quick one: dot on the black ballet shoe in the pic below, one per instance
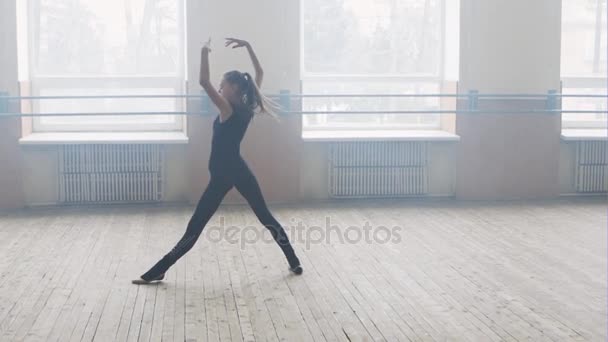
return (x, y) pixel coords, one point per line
(142, 281)
(297, 270)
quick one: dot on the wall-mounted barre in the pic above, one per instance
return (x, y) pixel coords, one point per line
(198, 96)
(284, 98)
(402, 112)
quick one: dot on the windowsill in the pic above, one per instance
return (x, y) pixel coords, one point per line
(66, 138)
(597, 134)
(378, 135)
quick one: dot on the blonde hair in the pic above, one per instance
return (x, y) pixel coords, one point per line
(252, 97)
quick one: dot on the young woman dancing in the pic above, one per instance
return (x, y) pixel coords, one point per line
(238, 100)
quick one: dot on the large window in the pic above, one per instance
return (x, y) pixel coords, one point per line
(103, 47)
(373, 47)
(584, 46)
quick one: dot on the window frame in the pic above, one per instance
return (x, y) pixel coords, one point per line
(40, 81)
(589, 81)
(438, 79)
(584, 83)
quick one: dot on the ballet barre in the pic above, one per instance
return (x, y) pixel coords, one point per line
(285, 98)
(200, 96)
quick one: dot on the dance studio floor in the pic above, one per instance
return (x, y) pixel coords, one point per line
(455, 271)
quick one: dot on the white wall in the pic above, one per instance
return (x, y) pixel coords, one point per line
(510, 46)
(11, 194)
(272, 26)
(8, 42)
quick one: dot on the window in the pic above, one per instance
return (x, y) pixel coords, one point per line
(584, 46)
(374, 47)
(103, 47)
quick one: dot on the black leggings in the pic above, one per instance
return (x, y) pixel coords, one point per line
(220, 183)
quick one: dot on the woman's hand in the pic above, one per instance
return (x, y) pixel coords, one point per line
(204, 72)
(207, 46)
(237, 43)
(220, 102)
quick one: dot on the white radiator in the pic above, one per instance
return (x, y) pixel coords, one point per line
(377, 169)
(110, 173)
(591, 174)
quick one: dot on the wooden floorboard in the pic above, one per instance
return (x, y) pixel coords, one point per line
(454, 271)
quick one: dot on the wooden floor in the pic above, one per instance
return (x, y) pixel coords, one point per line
(463, 271)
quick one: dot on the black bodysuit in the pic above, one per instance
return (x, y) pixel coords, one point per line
(226, 143)
(228, 169)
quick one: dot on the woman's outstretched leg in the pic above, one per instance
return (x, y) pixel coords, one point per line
(206, 207)
(248, 186)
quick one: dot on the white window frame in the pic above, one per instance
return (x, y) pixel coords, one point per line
(584, 83)
(370, 79)
(41, 81)
(588, 82)
(404, 78)
(176, 123)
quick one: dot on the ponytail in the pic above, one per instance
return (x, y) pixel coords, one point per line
(252, 98)
(255, 100)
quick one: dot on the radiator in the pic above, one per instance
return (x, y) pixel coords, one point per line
(377, 169)
(591, 171)
(110, 173)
